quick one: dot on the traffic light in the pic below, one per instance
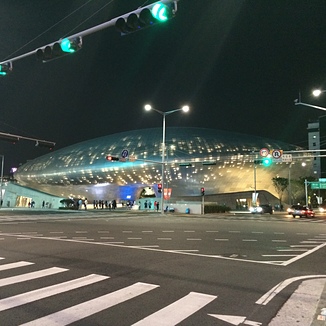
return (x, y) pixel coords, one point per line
(157, 13)
(267, 161)
(159, 187)
(59, 49)
(112, 158)
(5, 68)
(47, 144)
(202, 190)
(185, 164)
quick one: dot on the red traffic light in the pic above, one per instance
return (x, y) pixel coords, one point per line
(202, 190)
(112, 158)
(159, 187)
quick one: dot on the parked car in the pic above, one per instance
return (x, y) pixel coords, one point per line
(301, 210)
(261, 209)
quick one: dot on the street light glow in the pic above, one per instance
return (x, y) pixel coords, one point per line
(316, 92)
(185, 108)
(148, 107)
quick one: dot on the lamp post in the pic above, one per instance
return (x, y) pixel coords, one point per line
(164, 114)
(316, 93)
(1, 182)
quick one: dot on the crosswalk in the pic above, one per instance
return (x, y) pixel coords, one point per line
(171, 314)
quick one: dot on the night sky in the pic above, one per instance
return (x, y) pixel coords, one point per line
(239, 65)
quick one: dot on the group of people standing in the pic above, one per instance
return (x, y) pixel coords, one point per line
(101, 204)
(148, 205)
(97, 204)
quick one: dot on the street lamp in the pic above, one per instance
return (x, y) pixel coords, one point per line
(148, 107)
(317, 92)
(1, 182)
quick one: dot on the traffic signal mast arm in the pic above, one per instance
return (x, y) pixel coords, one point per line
(97, 28)
(38, 142)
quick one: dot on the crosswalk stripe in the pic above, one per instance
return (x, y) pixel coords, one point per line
(31, 276)
(14, 265)
(178, 310)
(85, 309)
(48, 291)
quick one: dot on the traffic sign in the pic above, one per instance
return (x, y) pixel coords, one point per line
(124, 153)
(286, 158)
(318, 185)
(264, 152)
(277, 153)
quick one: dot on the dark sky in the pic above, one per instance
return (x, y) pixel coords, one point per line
(239, 65)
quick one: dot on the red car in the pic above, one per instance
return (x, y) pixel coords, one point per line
(299, 210)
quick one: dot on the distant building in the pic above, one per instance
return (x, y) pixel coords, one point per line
(220, 161)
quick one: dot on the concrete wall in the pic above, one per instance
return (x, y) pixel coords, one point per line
(14, 195)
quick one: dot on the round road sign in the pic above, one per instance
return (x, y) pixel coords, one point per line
(264, 152)
(124, 153)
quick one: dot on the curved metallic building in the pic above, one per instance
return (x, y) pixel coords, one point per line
(220, 161)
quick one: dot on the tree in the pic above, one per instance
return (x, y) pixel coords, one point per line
(280, 184)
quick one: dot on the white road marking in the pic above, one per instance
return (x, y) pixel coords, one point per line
(311, 242)
(178, 310)
(48, 291)
(15, 265)
(304, 254)
(88, 308)
(126, 231)
(306, 245)
(168, 231)
(279, 241)
(134, 238)
(147, 231)
(164, 238)
(221, 239)
(193, 239)
(268, 296)
(31, 276)
(212, 231)
(293, 249)
(234, 231)
(250, 240)
(279, 255)
(189, 231)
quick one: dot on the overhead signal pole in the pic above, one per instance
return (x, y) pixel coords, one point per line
(157, 12)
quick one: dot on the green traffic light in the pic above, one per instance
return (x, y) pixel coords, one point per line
(160, 12)
(65, 45)
(267, 161)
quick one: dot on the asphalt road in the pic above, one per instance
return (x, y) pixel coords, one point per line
(104, 268)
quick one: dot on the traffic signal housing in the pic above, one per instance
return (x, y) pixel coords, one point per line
(159, 187)
(59, 49)
(46, 144)
(112, 158)
(202, 190)
(267, 161)
(5, 68)
(157, 13)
